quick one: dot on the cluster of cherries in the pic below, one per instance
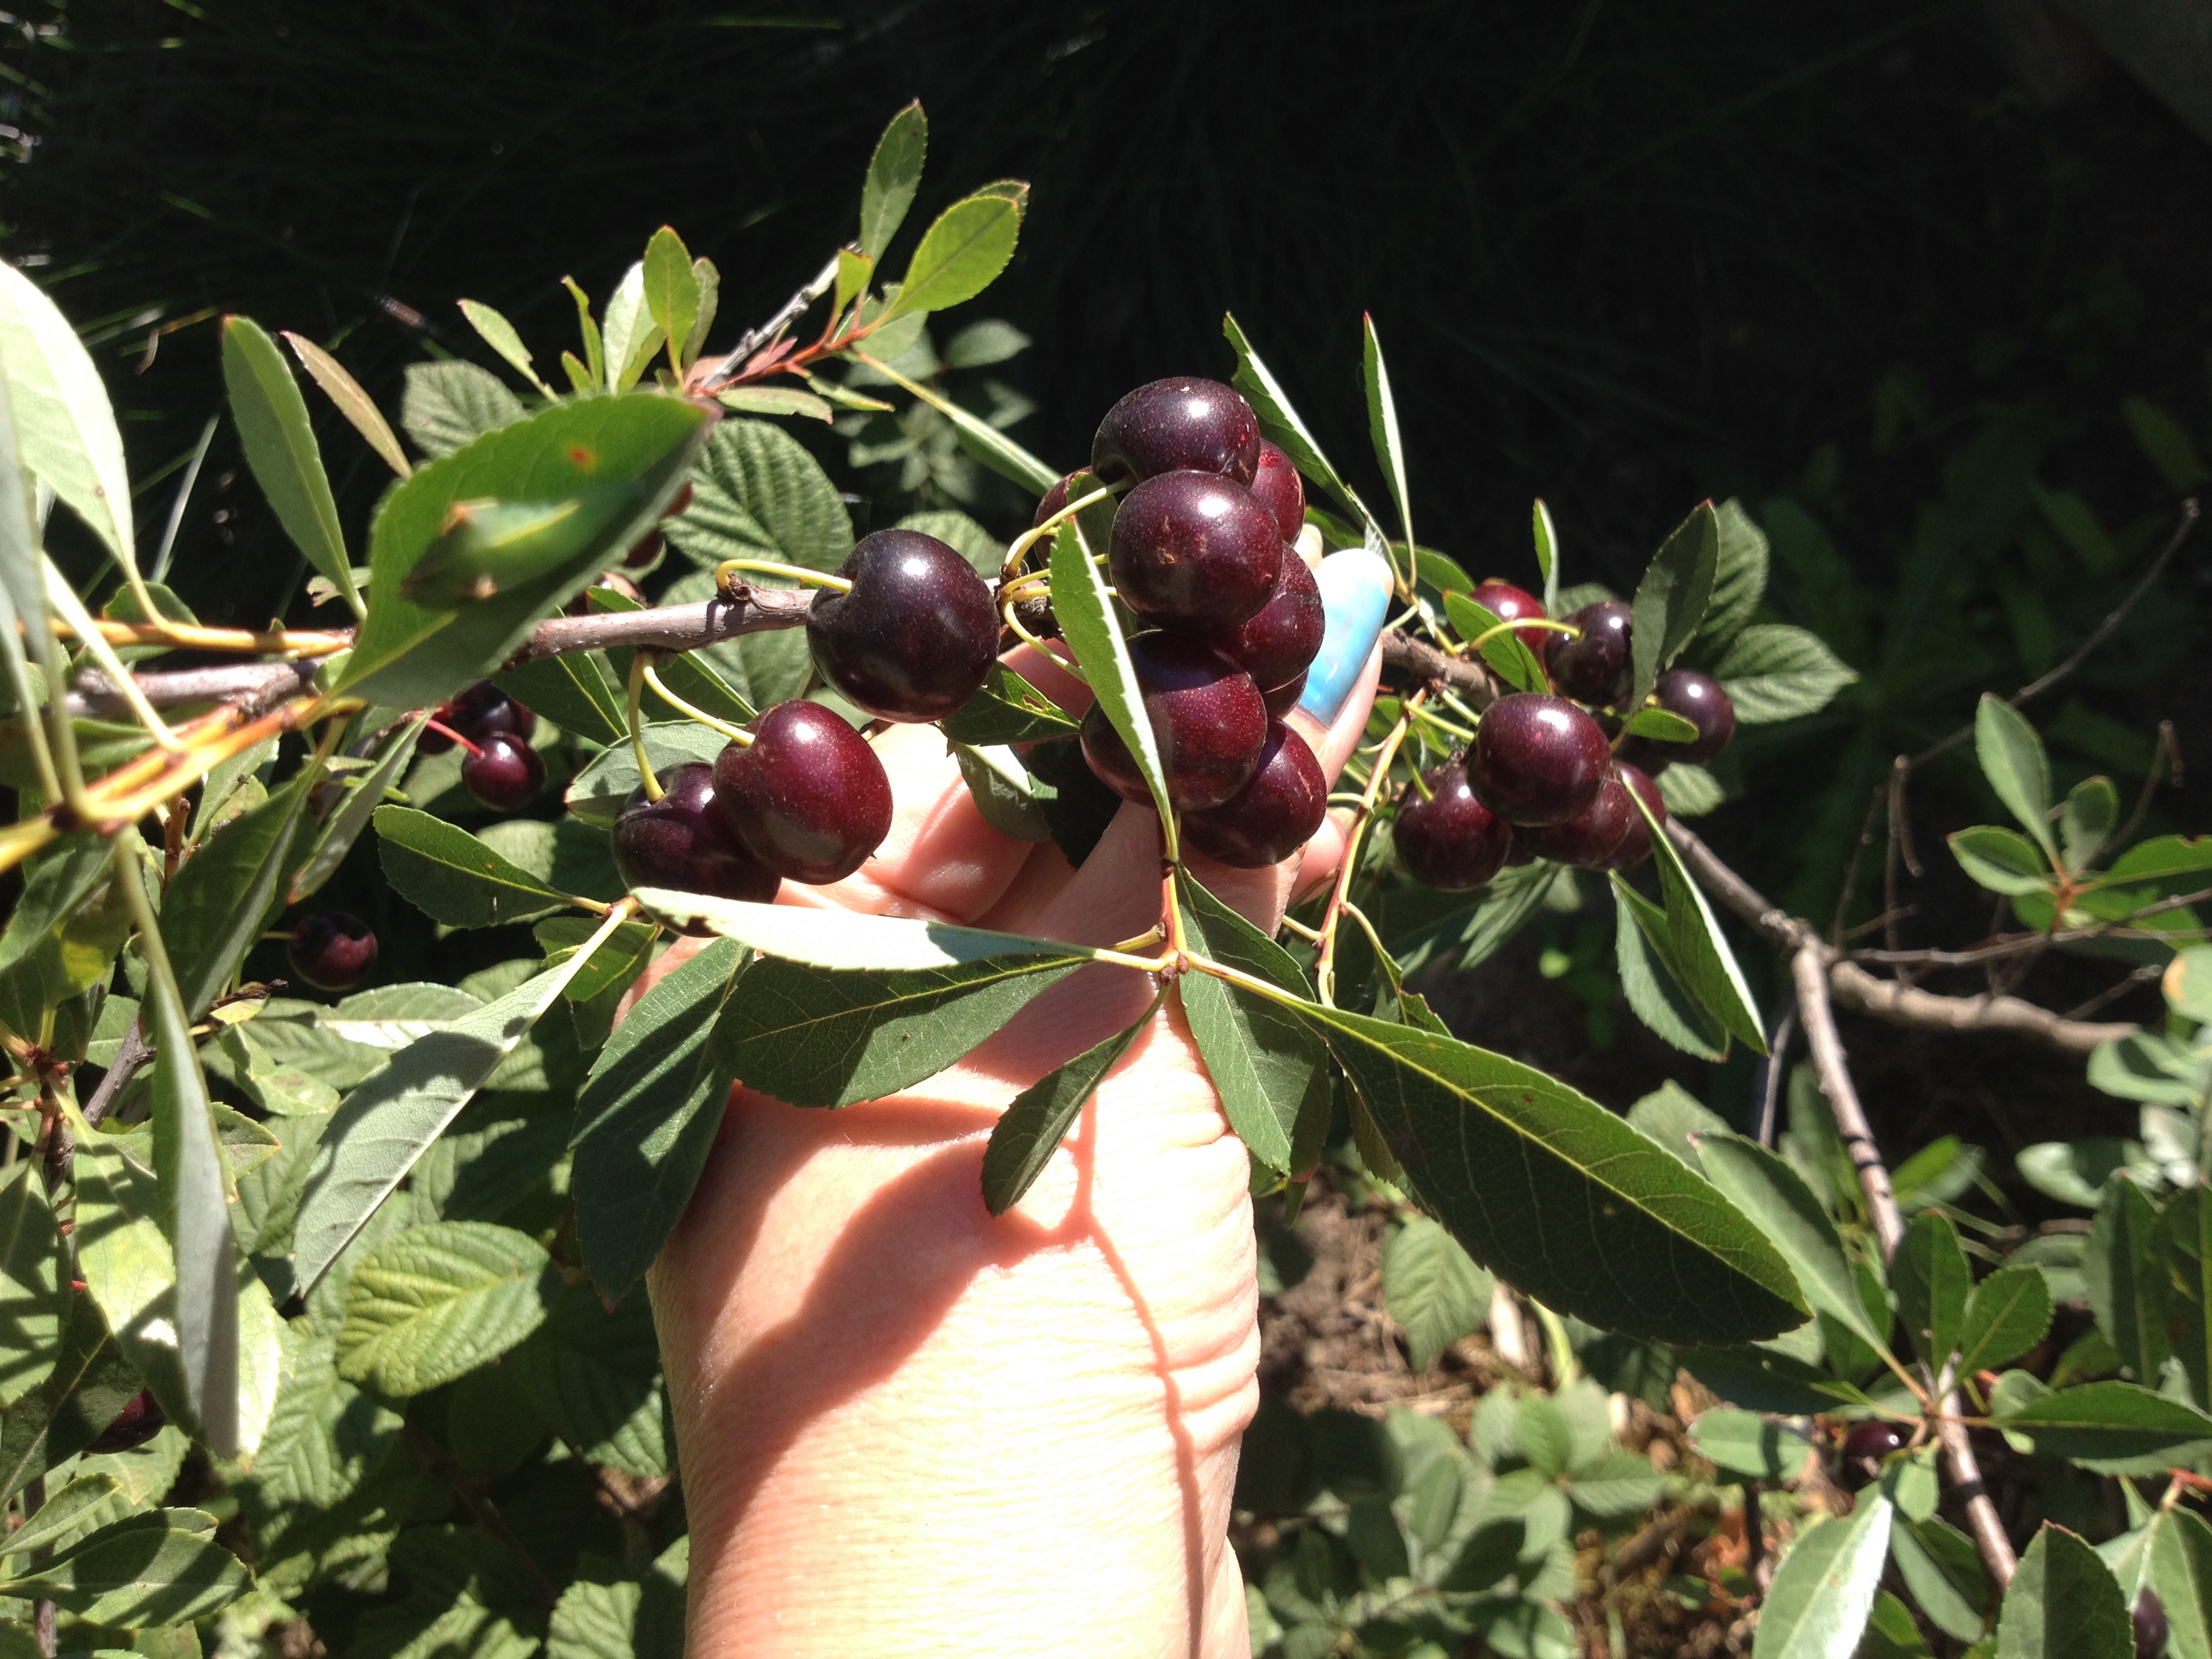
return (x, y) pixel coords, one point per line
(1200, 553)
(501, 769)
(1543, 778)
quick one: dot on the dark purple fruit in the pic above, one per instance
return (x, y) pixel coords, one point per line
(1052, 500)
(1206, 717)
(1449, 839)
(1193, 551)
(1274, 815)
(684, 841)
(1537, 759)
(809, 799)
(1277, 487)
(917, 634)
(134, 1425)
(1636, 845)
(1510, 604)
(2150, 1624)
(333, 951)
(1595, 667)
(1274, 643)
(483, 709)
(1590, 838)
(1865, 1448)
(1183, 424)
(504, 773)
(1699, 699)
(1285, 697)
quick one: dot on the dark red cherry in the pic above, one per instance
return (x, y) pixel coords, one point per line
(1538, 759)
(1510, 604)
(808, 799)
(1274, 815)
(1592, 835)
(1636, 845)
(1865, 1448)
(1193, 551)
(483, 709)
(1447, 839)
(1206, 717)
(1052, 500)
(1285, 697)
(1277, 487)
(2151, 1628)
(504, 773)
(1594, 667)
(1274, 643)
(684, 841)
(917, 634)
(333, 951)
(1699, 699)
(134, 1425)
(1183, 424)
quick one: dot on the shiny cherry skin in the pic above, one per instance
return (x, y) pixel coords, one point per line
(1865, 1448)
(1699, 699)
(1206, 717)
(917, 634)
(2151, 1628)
(476, 713)
(809, 799)
(1051, 502)
(504, 773)
(1447, 839)
(139, 1421)
(1274, 815)
(1590, 838)
(1510, 604)
(1285, 697)
(1277, 487)
(1596, 667)
(1538, 759)
(333, 951)
(1636, 845)
(1274, 643)
(684, 841)
(1180, 424)
(1193, 551)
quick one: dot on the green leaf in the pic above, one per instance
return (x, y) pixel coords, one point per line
(775, 400)
(2124, 1271)
(1943, 1568)
(1007, 708)
(595, 795)
(1773, 672)
(1672, 1116)
(436, 1301)
(1767, 1189)
(500, 335)
(355, 403)
(1824, 1590)
(1543, 1186)
(1031, 1129)
(812, 1036)
(848, 939)
(32, 1303)
(62, 1514)
(161, 1568)
(960, 255)
(645, 1118)
(90, 1384)
(594, 1375)
(1891, 1633)
(2113, 1428)
(1662, 724)
(671, 291)
(453, 878)
(1615, 1483)
(1671, 599)
(894, 174)
(1433, 1288)
(1278, 421)
(2002, 861)
(2063, 1604)
(1548, 555)
(2014, 762)
(1507, 653)
(758, 493)
(217, 904)
(1701, 959)
(2008, 1315)
(2170, 448)
(1689, 791)
(1932, 1280)
(1087, 620)
(574, 691)
(1003, 790)
(1648, 978)
(615, 965)
(1739, 575)
(342, 825)
(630, 337)
(1748, 1444)
(1266, 1063)
(2186, 1224)
(448, 406)
(1383, 422)
(991, 340)
(617, 460)
(2093, 810)
(65, 432)
(2181, 1574)
(280, 447)
(65, 934)
(977, 436)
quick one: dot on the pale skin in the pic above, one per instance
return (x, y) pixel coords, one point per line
(906, 1427)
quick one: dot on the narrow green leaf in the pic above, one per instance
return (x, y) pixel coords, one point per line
(280, 447)
(65, 432)
(671, 291)
(2180, 1575)
(1559, 1195)
(1748, 1444)
(1507, 653)
(1433, 1288)
(342, 825)
(1278, 421)
(2063, 1604)
(845, 938)
(776, 400)
(354, 402)
(1773, 672)
(1671, 599)
(1767, 1189)
(1031, 1129)
(630, 336)
(62, 1514)
(453, 877)
(1672, 1116)
(1702, 960)
(2014, 762)
(1662, 724)
(977, 436)
(500, 335)
(32, 1303)
(1548, 555)
(1086, 618)
(574, 691)
(433, 1302)
(595, 357)
(217, 903)
(855, 272)
(1823, 1592)
(2113, 1428)
(1007, 709)
(65, 934)
(1383, 422)
(1943, 1568)
(2008, 1315)
(960, 255)
(1932, 1280)
(1644, 954)
(2124, 1271)
(894, 174)
(161, 1568)
(2186, 1224)
(2093, 810)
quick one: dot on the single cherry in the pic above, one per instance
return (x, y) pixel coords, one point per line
(1193, 551)
(1865, 1447)
(1285, 697)
(1206, 717)
(333, 951)
(1447, 839)
(1590, 838)
(1051, 503)
(504, 773)
(139, 1421)
(809, 799)
(1636, 845)
(2150, 1624)
(1594, 667)
(684, 841)
(917, 634)
(1177, 425)
(1274, 643)
(1277, 487)
(1538, 759)
(476, 713)
(1699, 699)
(1510, 604)
(1274, 815)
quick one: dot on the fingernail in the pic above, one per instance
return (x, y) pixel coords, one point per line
(1355, 596)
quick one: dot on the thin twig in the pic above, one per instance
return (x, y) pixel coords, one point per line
(134, 1053)
(1417, 657)
(1769, 1093)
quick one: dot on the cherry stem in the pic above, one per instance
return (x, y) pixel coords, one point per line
(1490, 633)
(1006, 612)
(743, 739)
(646, 780)
(1030, 538)
(444, 730)
(1341, 893)
(797, 572)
